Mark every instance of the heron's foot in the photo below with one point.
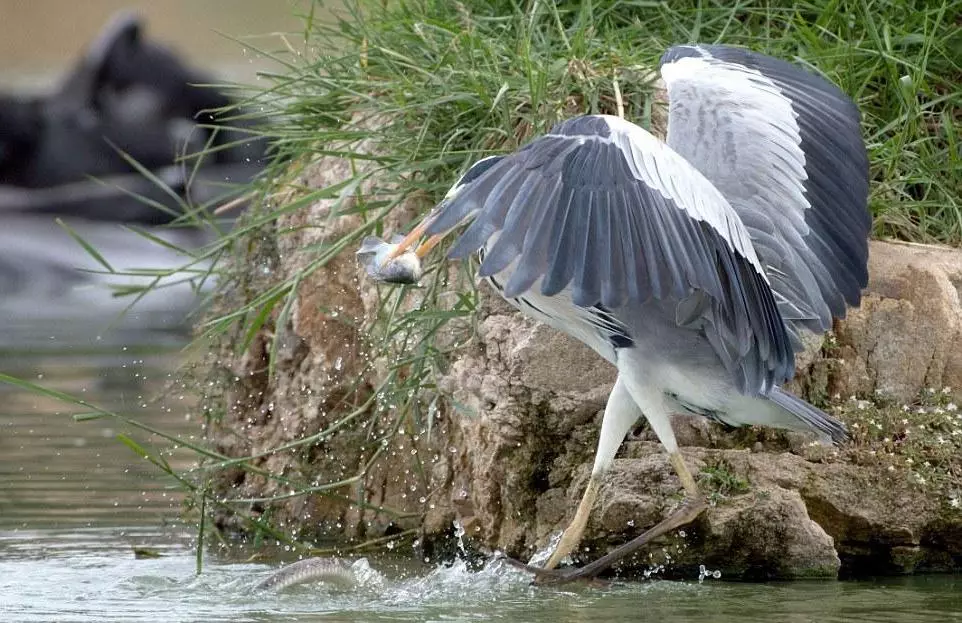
(688, 511)
(544, 576)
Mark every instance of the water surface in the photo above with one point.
(91, 575)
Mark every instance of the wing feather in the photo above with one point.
(534, 260)
(784, 147)
(516, 225)
(602, 211)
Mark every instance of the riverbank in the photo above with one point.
(360, 414)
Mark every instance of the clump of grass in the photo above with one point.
(452, 82)
(722, 482)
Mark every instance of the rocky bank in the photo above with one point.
(519, 409)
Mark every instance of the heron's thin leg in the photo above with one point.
(621, 413)
(690, 509)
(687, 480)
(573, 533)
(652, 403)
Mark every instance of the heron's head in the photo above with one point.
(446, 216)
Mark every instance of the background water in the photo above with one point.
(75, 502)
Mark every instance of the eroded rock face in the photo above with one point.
(511, 448)
(524, 432)
(905, 336)
(322, 374)
(766, 534)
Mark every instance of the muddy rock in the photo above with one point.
(764, 535)
(322, 374)
(772, 515)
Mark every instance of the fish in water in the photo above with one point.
(405, 268)
(334, 571)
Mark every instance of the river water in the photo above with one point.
(76, 504)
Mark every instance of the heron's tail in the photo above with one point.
(813, 417)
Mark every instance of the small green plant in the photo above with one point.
(921, 440)
(721, 482)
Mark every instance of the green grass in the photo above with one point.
(430, 86)
(455, 81)
(720, 482)
(448, 83)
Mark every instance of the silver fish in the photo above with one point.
(335, 571)
(405, 268)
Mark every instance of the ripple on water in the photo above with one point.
(91, 575)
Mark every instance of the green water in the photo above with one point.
(89, 574)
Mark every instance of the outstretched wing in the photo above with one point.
(784, 148)
(601, 209)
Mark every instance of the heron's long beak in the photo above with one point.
(429, 244)
(415, 234)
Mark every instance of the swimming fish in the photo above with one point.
(405, 268)
(335, 571)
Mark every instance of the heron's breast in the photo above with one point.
(679, 360)
(560, 313)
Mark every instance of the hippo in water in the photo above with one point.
(70, 154)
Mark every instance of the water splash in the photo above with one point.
(704, 573)
(541, 556)
(459, 532)
(366, 576)
(459, 583)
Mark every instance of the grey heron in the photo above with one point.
(692, 265)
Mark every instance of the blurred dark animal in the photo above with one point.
(68, 154)
(126, 96)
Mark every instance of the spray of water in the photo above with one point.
(541, 556)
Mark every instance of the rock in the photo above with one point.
(798, 519)
(324, 371)
(903, 337)
(765, 535)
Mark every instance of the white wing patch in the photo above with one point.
(784, 147)
(765, 117)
